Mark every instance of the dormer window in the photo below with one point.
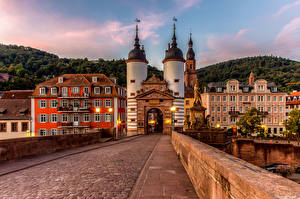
(274, 89)
(260, 87)
(146, 88)
(232, 88)
(53, 91)
(219, 90)
(75, 90)
(107, 90)
(94, 79)
(42, 91)
(60, 79)
(246, 89)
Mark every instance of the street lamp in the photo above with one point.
(98, 111)
(110, 110)
(173, 109)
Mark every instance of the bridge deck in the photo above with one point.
(107, 170)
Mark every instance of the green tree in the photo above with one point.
(292, 125)
(251, 122)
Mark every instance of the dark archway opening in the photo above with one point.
(154, 121)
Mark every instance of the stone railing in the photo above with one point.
(216, 174)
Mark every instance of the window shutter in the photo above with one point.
(39, 103)
(47, 119)
(39, 118)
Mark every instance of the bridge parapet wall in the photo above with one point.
(21, 147)
(218, 175)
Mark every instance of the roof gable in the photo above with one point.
(154, 94)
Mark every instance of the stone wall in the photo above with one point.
(21, 147)
(218, 175)
(264, 154)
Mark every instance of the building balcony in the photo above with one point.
(74, 95)
(73, 109)
(73, 125)
(234, 113)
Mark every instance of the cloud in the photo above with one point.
(23, 23)
(287, 7)
(184, 4)
(240, 33)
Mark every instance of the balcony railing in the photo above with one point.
(263, 113)
(73, 109)
(73, 125)
(74, 95)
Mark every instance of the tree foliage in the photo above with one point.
(250, 122)
(292, 125)
(30, 66)
(273, 69)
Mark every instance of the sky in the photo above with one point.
(221, 29)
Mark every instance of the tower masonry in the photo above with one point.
(136, 73)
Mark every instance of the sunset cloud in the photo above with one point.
(287, 7)
(184, 4)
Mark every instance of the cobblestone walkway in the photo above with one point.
(108, 172)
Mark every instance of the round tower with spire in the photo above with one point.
(190, 76)
(136, 73)
(174, 75)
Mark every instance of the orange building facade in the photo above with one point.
(77, 103)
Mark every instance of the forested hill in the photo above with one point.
(30, 66)
(276, 69)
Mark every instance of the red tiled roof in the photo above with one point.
(294, 94)
(22, 94)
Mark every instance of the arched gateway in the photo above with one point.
(155, 121)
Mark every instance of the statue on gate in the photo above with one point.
(197, 95)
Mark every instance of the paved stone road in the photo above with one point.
(108, 172)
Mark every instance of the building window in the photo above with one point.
(232, 98)
(86, 103)
(224, 109)
(107, 90)
(224, 98)
(53, 118)
(75, 90)
(246, 98)
(232, 88)
(212, 109)
(53, 91)
(280, 109)
(97, 90)
(64, 103)
(24, 126)
(86, 91)
(187, 111)
(260, 98)
(240, 98)
(146, 88)
(187, 102)
(252, 98)
(132, 120)
(261, 109)
(241, 109)
(97, 103)
(269, 98)
(246, 108)
(269, 109)
(132, 94)
(132, 109)
(161, 88)
(108, 117)
(212, 118)
(219, 90)
(224, 119)
(132, 81)
(64, 118)
(42, 91)
(218, 109)
(212, 98)
(14, 126)
(274, 89)
(43, 118)
(176, 80)
(246, 89)
(232, 119)
(86, 117)
(218, 119)
(43, 103)
(94, 79)
(53, 131)
(2, 127)
(218, 98)
(53, 103)
(176, 93)
(64, 91)
(42, 132)
(274, 109)
(232, 108)
(60, 79)
(280, 98)
(260, 87)
(274, 98)
(107, 102)
(76, 103)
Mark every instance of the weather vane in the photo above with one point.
(137, 21)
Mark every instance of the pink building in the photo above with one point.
(227, 101)
(292, 102)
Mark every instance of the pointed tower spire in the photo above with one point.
(137, 40)
(190, 42)
(190, 55)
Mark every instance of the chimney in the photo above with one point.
(251, 79)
